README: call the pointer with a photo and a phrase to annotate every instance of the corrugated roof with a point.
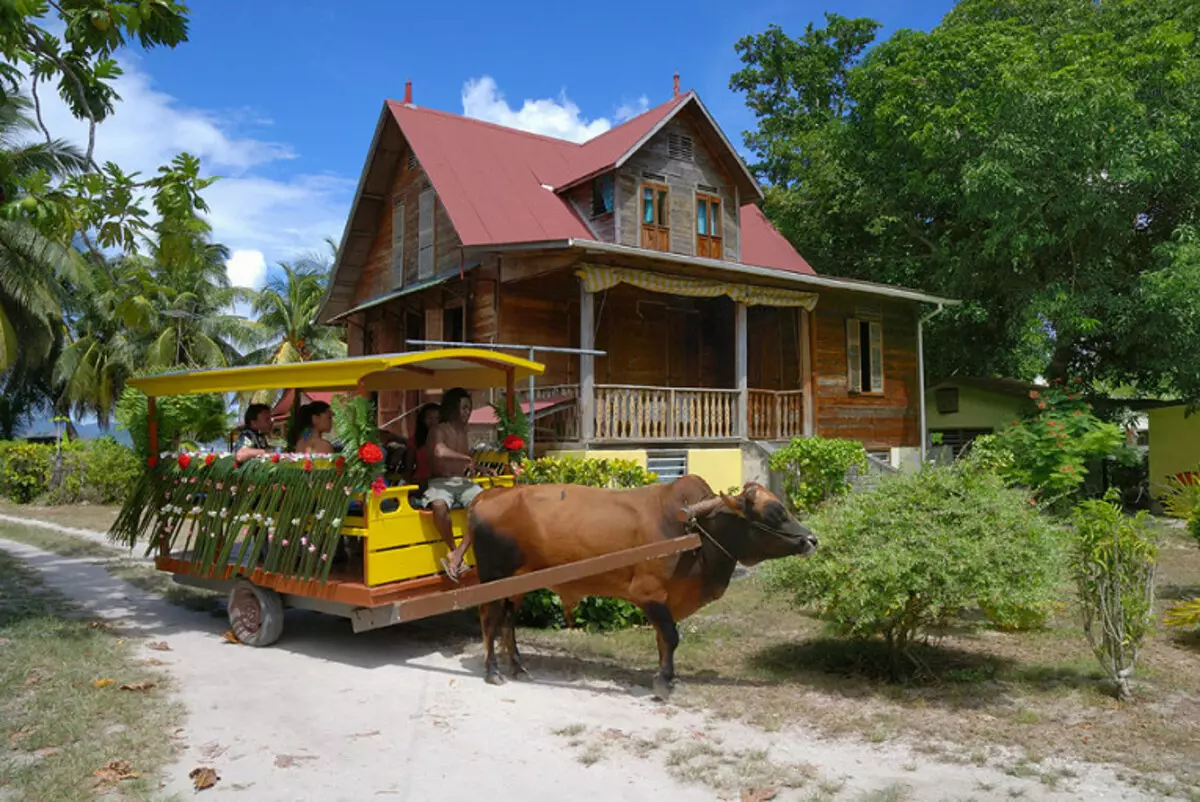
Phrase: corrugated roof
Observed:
(764, 246)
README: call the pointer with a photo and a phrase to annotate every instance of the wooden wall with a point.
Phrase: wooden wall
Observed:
(603, 225)
(879, 421)
(377, 276)
(682, 179)
(543, 311)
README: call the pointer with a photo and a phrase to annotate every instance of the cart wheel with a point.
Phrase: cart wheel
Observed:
(255, 614)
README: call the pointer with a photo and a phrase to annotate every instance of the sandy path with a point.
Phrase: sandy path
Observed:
(328, 715)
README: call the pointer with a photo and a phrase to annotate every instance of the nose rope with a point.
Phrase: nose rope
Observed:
(706, 533)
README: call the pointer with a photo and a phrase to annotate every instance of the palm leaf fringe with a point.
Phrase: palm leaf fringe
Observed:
(286, 514)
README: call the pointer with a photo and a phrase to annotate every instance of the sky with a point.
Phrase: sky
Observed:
(280, 97)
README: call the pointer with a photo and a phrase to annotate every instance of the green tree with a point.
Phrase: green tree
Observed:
(286, 311)
(1034, 159)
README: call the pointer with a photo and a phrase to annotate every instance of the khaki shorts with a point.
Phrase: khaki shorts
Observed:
(455, 491)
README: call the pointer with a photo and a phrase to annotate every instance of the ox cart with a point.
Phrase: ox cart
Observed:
(333, 534)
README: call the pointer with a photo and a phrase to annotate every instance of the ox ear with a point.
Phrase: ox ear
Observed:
(735, 503)
(748, 492)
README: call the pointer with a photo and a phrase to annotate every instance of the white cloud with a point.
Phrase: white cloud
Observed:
(561, 118)
(247, 269)
(276, 219)
(627, 110)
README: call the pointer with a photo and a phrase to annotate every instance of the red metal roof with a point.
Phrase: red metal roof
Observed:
(498, 184)
(764, 246)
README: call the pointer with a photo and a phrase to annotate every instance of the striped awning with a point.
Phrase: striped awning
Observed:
(599, 277)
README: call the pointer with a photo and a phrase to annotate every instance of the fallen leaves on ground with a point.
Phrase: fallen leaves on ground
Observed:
(153, 661)
(137, 686)
(103, 682)
(159, 646)
(33, 679)
(99, 625)
(230, 637)
(758, 794)
(203, 777)
(115, 772)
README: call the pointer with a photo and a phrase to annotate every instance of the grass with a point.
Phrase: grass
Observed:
(78, 516)
(756, 658)
(58, 728)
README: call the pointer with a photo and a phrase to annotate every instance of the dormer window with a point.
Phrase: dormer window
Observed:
(602, 195)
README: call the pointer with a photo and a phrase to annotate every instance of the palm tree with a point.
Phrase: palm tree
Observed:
(33, 268)
(287, 311)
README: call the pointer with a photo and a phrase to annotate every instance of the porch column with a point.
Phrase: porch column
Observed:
(740, 369)
(587, 365)
(806, 374)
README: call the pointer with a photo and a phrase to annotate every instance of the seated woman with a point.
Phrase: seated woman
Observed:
(313, 421)
(419, 464)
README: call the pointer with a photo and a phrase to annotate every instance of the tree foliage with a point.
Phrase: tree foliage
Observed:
(1036, 160)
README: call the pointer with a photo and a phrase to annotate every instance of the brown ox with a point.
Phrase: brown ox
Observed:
(529, 527)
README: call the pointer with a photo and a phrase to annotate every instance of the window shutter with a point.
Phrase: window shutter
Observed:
(876, 353)
(398, 244)
(425, 235)
(853, 355)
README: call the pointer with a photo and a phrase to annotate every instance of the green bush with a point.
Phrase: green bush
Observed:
(908, 555)
(1194, 527)
(1049, 451)
(26, 473)
(1113, 561)
(111, 471)
(815, 469)
(542, 608)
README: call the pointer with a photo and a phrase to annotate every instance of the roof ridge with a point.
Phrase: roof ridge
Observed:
(532, 134)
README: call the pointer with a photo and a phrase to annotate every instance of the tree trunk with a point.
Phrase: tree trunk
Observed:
(1060, 363)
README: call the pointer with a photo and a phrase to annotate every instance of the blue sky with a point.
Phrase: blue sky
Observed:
(281, 96)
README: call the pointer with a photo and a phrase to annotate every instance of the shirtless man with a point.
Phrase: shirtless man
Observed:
(449, 486)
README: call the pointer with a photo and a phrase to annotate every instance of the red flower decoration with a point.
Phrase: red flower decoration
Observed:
(275, 458)
(152, 461)
(378, 486)
(210, 459)
(513, 443)
(370, 453)
(340, 464)
(307, 465)
(184, 461)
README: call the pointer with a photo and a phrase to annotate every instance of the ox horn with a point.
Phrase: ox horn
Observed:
(700, 508)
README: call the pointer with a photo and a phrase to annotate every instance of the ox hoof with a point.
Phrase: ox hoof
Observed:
(493, 678)
(521, 674)
(662, 689)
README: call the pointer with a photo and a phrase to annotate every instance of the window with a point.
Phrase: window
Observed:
(656, 226)
(947, 400)
(708, 226)
(397, 244)
(453, 330)
(602, 195)
(425, 235)
(864, 355)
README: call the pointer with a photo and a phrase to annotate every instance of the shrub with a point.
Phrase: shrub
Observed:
(815, 469)
(111, 470)
(1048, 452)
(200, 418)
(27, 469)
(904, 557)
(542, 608)
(1113, 560)
(1181, 498)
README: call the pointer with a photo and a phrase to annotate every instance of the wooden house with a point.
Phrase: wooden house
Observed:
(645, 243)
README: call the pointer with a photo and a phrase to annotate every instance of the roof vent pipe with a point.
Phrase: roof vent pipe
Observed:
(676, 89)
(408, 92)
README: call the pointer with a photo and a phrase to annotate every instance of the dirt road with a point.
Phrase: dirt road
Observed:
(404, 714)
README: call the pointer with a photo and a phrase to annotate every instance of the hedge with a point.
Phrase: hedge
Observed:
(100, 471)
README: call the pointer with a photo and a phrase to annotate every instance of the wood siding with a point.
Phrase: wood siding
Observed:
(377, 276)
(883, 420)
(684, 178)
(543, 311)
(603, 225)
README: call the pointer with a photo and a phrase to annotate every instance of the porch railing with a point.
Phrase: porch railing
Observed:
(560, 425)
(631, 412)
(775, 414)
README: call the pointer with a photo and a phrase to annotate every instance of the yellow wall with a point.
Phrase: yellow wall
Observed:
(720, 467)
(1174, 444)
(976, 410)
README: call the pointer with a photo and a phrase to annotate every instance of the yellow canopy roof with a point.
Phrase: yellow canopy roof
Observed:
(470, 368)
